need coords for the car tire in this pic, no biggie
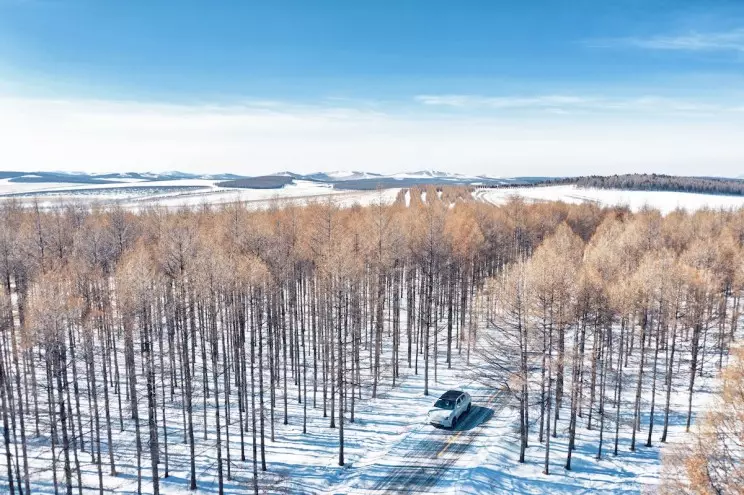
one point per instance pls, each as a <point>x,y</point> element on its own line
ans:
<point>454,422</point>
<point>468,409</point>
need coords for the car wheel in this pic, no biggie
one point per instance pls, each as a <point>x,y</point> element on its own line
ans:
<point>454,422</point>
<point>468,409</point>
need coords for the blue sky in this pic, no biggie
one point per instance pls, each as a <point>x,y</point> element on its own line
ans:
<point>474,86</point>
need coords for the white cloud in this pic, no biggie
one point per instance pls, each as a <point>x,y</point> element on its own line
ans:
<point>260,139</point>
<point>567,103</point>
<point>469,101</point>
<point>693,41</point>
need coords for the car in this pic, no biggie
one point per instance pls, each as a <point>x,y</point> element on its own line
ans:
<point>449,408</point>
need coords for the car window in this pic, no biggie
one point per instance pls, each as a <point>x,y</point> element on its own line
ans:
<point>444,404</point>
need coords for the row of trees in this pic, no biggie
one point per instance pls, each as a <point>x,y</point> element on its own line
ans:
<point>658,182</point>
<point>198,327</point>
<point>111,320</point>
<point>711,460</point>
<point>608,329</point>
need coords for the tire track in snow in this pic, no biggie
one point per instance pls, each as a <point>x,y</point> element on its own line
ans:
<point>427,454</point>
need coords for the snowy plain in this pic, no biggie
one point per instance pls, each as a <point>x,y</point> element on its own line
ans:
<point>664,201</point>
<point>137,194</point>
<point>183,193</point>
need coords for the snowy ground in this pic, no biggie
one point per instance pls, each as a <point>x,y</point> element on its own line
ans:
<point>297,462</point>
<point>183,192</point>
<point>390,449</point>
<point>629,472</point>
<point>662,200</point>
<point>194,192</point>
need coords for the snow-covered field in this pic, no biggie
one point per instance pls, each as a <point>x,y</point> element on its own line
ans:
<point>136,194</point>
<point>662,200</point>
<point>182,192</point>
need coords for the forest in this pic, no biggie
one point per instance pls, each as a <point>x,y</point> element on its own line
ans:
<point>656,182</point>
<point>197,327</point>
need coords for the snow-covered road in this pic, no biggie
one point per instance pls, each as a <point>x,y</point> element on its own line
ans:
<point>429,457</point>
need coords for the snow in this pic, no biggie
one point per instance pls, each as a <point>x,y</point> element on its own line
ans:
<point>365,198</point>
<point>389,428</point>
<point>496,470</point>
<point>340,174</point>
<point>664,201</point>
<point>8,187</point>
<point>427,174</point>
<point>488,462</point>
<point>299,192</point>
<point>350,175</point>
<point>122,180</point>
<point>299,463</point>
<point>389,436</point>
<point>136,194</point>
<point>158,183</point>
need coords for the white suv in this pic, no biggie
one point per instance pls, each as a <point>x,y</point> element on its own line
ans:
<point>449,408</point>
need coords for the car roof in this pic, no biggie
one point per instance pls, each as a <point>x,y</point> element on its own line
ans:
<point>452,394</point>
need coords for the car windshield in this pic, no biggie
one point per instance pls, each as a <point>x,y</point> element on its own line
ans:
<point>445,404</point>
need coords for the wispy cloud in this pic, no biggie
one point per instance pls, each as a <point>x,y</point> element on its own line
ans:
<point>724,41</point>
<point>568,103</point>
<point>505,102</point>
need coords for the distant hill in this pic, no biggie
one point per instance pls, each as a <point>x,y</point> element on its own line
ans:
<point>365,181</point>
<point>107,178</point>
<point>263,182</point>
<point>342,175</point>
<point>360,180</point>
<point>349,180</point>
<point>42,177</point>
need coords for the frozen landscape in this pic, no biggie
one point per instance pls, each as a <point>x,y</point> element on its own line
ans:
<point>664,201</point>
<point>371,248</point>
<point>388,446</point>
<point>136,191</point>
<point>177,193</point>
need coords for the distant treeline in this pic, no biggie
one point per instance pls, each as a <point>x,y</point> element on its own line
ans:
<point>657,182</point>
<point>263,182</point>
